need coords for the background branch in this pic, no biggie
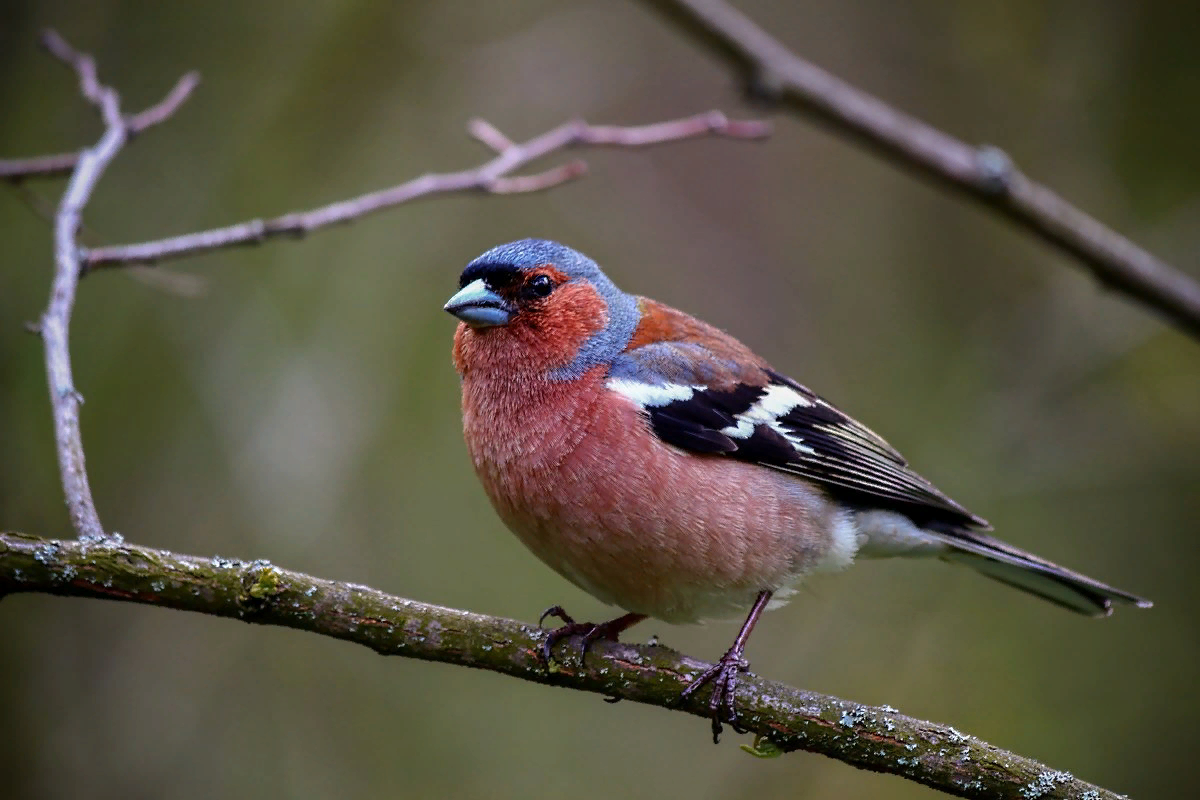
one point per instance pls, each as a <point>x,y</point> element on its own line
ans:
<point>986,174</point>
<point>60,164</point>
<point>493,177</point>
<point>51,166</point>
<point>70,264</point>
<point>54,325</point>
<point>782,718</point>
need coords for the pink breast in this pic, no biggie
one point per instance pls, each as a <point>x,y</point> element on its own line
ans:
<point>580,478</point>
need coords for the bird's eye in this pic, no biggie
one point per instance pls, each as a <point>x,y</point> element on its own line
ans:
<point>541,285</point>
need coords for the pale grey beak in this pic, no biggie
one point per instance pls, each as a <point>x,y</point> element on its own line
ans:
<point>479,307</point>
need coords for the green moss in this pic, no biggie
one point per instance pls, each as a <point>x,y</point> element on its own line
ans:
<point>267,583</point>
<point>763,748</point>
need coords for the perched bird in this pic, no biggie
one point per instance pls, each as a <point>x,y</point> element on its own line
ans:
<point>660,465</point>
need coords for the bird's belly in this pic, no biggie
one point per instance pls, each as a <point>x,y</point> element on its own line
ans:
<point>651,528</point>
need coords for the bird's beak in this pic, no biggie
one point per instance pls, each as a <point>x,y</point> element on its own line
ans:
<point>480,307</point>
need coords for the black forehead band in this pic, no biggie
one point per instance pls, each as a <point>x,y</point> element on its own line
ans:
<point>495,275</point>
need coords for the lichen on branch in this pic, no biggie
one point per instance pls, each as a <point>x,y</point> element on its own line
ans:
<point>782,718</point>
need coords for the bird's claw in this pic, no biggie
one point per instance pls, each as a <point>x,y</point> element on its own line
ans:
<point>724,677</point>
<point>591,631</point>
<point>569,628</point>
<point>565,632</point>
<point>555,611</point>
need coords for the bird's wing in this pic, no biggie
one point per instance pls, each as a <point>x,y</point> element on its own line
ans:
<point>708,396</point>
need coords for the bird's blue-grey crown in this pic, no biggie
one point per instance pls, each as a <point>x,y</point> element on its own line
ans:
<point>623,315</point>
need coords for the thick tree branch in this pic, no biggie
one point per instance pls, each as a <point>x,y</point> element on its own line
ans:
<point>782,718</point>
<point>54,325</point>
<point>985,173</point>
<point>495,176</point>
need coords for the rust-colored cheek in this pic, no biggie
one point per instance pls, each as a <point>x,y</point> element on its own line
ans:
<point>538,339</point>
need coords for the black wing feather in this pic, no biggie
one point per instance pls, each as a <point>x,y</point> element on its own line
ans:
<point>696,423</point>
<point>689,434</point>
<point>813,440</point>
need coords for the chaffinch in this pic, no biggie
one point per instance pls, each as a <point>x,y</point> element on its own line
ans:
<point>661,466</point>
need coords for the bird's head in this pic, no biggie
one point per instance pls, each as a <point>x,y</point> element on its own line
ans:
<point>538,306</point>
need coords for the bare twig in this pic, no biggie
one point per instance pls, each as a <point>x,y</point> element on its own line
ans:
<point>493,177</point>
<point>164,109</point>
<point>102,97</point>
<point>55,323</point>
<point>782,718</point>
<point>489,134</point>
<point>984,173</point>
<point>60,164</point>
<point>54,166</point>
<point>180,284</point>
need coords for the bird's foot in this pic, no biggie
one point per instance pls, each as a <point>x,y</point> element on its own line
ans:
<point>591,631</point>
<point>724,678</point>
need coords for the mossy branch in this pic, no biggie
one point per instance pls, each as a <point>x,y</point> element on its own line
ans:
<point>782,718</point>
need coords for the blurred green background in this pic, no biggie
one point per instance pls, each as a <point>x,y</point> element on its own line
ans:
<point>303,407</point>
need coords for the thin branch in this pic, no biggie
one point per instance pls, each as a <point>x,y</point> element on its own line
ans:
<point>985,173</point>
<point>53,166</point>
<point>61,164</point>
<point>782,718</point>
<point>522,184</point>
<point>54,325</point>
<point>164,109</point>
<point>492,177</point>
<point>102,97</point>
<point>180,284</point>
<point>489,135</point>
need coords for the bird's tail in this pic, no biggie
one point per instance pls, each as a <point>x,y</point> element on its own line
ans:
<point>1003,562</point>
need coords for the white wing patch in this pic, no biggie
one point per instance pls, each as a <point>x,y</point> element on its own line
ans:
<point>649,395</point>
<point>776,402</point>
